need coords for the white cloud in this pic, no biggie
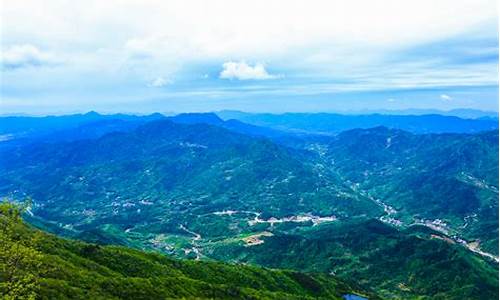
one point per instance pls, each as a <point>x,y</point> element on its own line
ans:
<point>391,100</point>
<point>445,97</point>
<point>241,27</point>
<point>243,71</point>
<point>159,82</point>
<point>20,56</point>
<point>322,46</point>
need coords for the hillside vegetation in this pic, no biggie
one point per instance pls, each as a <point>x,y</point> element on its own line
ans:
<point>416,263</point>
<point>37,265</point>
<point>407,215</point>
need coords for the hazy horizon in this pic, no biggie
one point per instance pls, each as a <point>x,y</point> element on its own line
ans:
<point>409,111</point>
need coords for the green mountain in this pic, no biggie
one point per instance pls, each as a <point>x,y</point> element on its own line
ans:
<point>37,265</point>
<point>165,174</point>
<point>195,186</point>
<point>447,180</point>
<point>414,263</point>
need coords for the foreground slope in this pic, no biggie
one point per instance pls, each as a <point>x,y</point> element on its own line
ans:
<point>37,265</point>
<point>415,263</point>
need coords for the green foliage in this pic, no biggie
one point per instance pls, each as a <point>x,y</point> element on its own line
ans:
<point>452,177</point>
<point>19,260</point>
<point>417,263</point>
<point>164,174</point>
<point>54,268</point>
<point>164,186</point>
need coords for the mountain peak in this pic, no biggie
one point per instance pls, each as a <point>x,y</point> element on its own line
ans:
<point>92,113</point>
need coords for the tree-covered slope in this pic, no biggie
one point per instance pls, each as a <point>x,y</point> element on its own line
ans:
<point>415,263</point>
<point>195,186</point>
<point>450,177</point>
<point>36,265</point>
<point>164,174</point>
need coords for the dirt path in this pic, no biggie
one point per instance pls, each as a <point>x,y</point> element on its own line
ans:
<point>195,247</point>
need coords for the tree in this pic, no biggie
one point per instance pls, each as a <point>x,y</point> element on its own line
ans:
<point>20,262</point>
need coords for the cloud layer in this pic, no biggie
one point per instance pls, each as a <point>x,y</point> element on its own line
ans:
<point>159,82</point>
<point>116,50</point>
<point>242,71</point>
<point>25,55</point>
<point>445,97</point>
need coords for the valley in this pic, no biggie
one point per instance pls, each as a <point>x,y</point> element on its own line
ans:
<point>56,268</point>
<point>358,205</point>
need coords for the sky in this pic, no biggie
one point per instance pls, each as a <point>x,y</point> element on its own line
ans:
<point>145,56</point>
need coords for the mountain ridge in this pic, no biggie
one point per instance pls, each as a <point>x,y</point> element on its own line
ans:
<point>199,189</point>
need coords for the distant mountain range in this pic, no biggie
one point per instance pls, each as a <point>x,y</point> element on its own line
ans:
<point>357,203</point>
<point>24,129</point>
<point>465,113</point>
<point>68,127</point>
<point>329,124</point>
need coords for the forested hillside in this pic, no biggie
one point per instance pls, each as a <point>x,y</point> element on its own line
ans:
<point>392,210</point>
<point>37,265</point>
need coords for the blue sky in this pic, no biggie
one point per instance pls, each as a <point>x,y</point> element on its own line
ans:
<point>273,56</point>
